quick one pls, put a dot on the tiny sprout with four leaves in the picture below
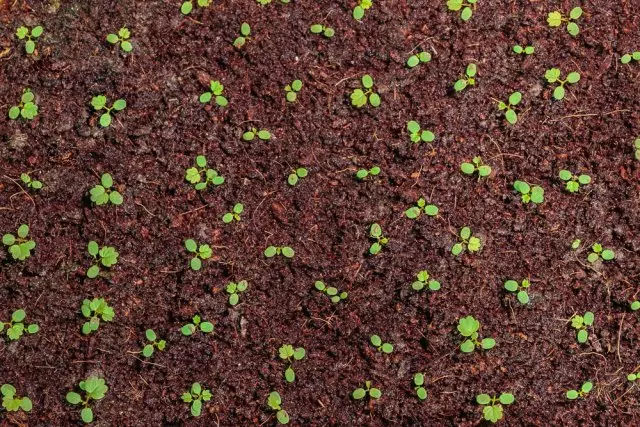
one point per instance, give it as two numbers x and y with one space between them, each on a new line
361 393
555 19
285 251
292 90
199 251
364 173
626 58
216 93
187 6
553 76
274 401
417 134
27 108
466 7
509 112
384 347
375 232
245 32
493 410
94 310
94 388
469 242
123 38
196 395
287 352
19 246
148 349
251 134
423 279
476 165
358 11
529 193
581 323
31 35
418 386
211 176
105 256
102 194
573 182
582 393
16 327
599 252
100 103
30 183
197 325
296 174
519 288
328 32
234 290
359 97
238 208
421 206
469 79
418 58
331 292
526 50
468 328
12 402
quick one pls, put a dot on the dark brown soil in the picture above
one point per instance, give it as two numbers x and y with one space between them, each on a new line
326 217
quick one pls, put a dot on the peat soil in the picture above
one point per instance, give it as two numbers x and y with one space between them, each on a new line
326 217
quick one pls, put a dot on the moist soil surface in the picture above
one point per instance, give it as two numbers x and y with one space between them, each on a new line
326 217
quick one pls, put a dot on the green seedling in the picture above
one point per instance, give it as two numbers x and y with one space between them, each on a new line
469 79
520 289
331 292
94 388
375 232
30 35
423 279
418 58
555 19
194 175
636 146
328 32
27 108
123 38
296 174
493 410
103 193
384 347
94 310
626 58
274 402
524 50
30 183
360 97
100 103
469 242
634 376
245 32
12 402
576 244
234 290
251 134
200 252
573 182
292 90
581 323
149 349
196 395
20 246
509 112
16 327
418 386
529 193
421 206
476 165
358 11
417 134
285 251
187 6
197 325
105 256
468 328
364 173
635 305
361 393
553 76
466 7
234 215
582 393
598 252
287 353
216 93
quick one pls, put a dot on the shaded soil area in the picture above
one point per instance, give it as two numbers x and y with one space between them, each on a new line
326 217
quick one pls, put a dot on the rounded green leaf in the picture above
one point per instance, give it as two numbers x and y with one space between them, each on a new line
422 393
14 112
8 239
359 393
205 97
523 297
518 49
120 104
511 116
413 61
195 264
467 346
573 77
30 46
288 252
87 415
245 29
115 198
196 408
575 13
191 245
465 233
584 179
588 318
291 96
112 38
387 348
147 351
565 175
511 285
507 398
587 387
608 255
467 168
488 343
483 399
625 59
431 210
572 394
466 14
73 398
375 393
93 272
105 120
186 8
374 99
459 85
457 249
289 375
33 328
316 28
582 336
515 98
282 416
234 299
206 327
573 29
367 81
264 135
150 335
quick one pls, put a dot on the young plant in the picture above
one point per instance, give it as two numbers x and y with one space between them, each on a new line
148 349
364 173
262 134
519 288
581 323
555 19
457 5
19 246
331 292
421 206
102 194
419 58
16 327
526 50
274 401
245 32
361 393
384 347
196 395
216 93
285 251
296 174
123 38
328 32
636 145
375 232
100 103
31 35
418 386
417 134
105 256
200 252
626 58
509 112
30 183
12 402
582 393
528 193
234 290
27 108
598 252
469 79
94 388
211 176
476 165
238 208
493 410
94 310
573 182
358 11
287 352
197 325
469 242
424 280
468 328
292 90
359 97
187 6
553 76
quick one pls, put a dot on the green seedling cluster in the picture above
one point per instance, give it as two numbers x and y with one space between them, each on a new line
468 328
375 232
581 323
581 393
573 182
94 310
333 293
289 354
476 165
553 76
520 289
11 402
196 325
418 386
93 388
285 251
20 246
216 93
194 175
234 215
251 134
364 173
469 78
123 38
373 392
200 252
16 327
360 96
296 174
234 290
384 347
30 35
509 112
245 32
195 396
154 342
103 193
292 90
598 252
524 50
468 242
27 108
29 182
359 10
492 405
274 402
106 256
187 6
421 206
328 32
627 57
529 193
423 279
555 19
417 134
99 103
466 7
418 58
